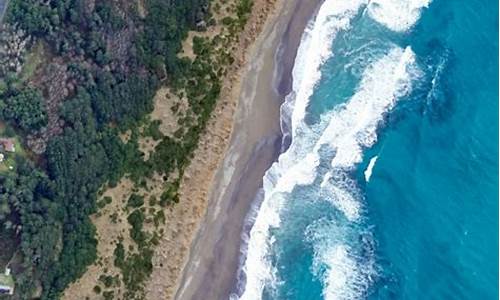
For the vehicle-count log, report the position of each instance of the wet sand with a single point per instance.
(211, 271)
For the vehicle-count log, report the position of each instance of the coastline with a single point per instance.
(254, 139)
(184, 219)
(249, 103)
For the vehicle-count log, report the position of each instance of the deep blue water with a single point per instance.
(414, 91)
(433, 195)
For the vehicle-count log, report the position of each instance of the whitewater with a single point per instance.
(327, 147)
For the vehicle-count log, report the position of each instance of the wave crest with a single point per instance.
(347, 131)
(397, 15)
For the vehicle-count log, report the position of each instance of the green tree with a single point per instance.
(25, 109)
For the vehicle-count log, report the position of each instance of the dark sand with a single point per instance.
(211, 272)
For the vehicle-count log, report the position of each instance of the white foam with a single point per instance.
(337, 263)
(353, 126)
(397, 15)
(343, 194)
(369, 169)
(341, 267)
(297, 165)
(315, 49)
(343, 276)
(347, 130)
(350, 128)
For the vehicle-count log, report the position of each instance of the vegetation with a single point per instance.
(24, 108)
(97, 289)
(114, 61)
(135, 201)
(119, 255)
(108, 280)
(104, 201)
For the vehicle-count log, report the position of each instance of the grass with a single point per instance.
(36, 56)
(9, 159)
(7, 163)
(6, 280)
(8, 244)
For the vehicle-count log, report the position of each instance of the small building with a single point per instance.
(6, 283)
(6, 290)
(7, 144)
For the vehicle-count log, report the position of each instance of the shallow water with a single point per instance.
(414, 84)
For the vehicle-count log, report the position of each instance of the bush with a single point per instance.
(108, 280)
(105, 201)
(119, 254)
(136, 219)
(135, 201)
(97, 289)
(25, 109)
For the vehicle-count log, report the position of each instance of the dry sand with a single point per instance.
(211, 270)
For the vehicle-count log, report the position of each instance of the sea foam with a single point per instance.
(369, 169)
(314, 50)
(351, 128)
(337, 252)
(397, 15)
(347, 130)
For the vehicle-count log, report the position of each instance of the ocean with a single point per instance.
(389, 186)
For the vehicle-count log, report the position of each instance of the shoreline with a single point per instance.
(184, 219)
(254, 144)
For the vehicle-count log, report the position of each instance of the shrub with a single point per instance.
(135, 201)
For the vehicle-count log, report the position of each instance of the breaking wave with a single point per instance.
(397, 15)
(342, 265)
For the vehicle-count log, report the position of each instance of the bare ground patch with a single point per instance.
(168, 108)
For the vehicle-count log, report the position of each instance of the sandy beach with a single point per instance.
(211, 271)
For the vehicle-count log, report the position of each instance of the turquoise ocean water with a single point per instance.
(389, 189)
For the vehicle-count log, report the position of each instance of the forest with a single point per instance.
(113, 61)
